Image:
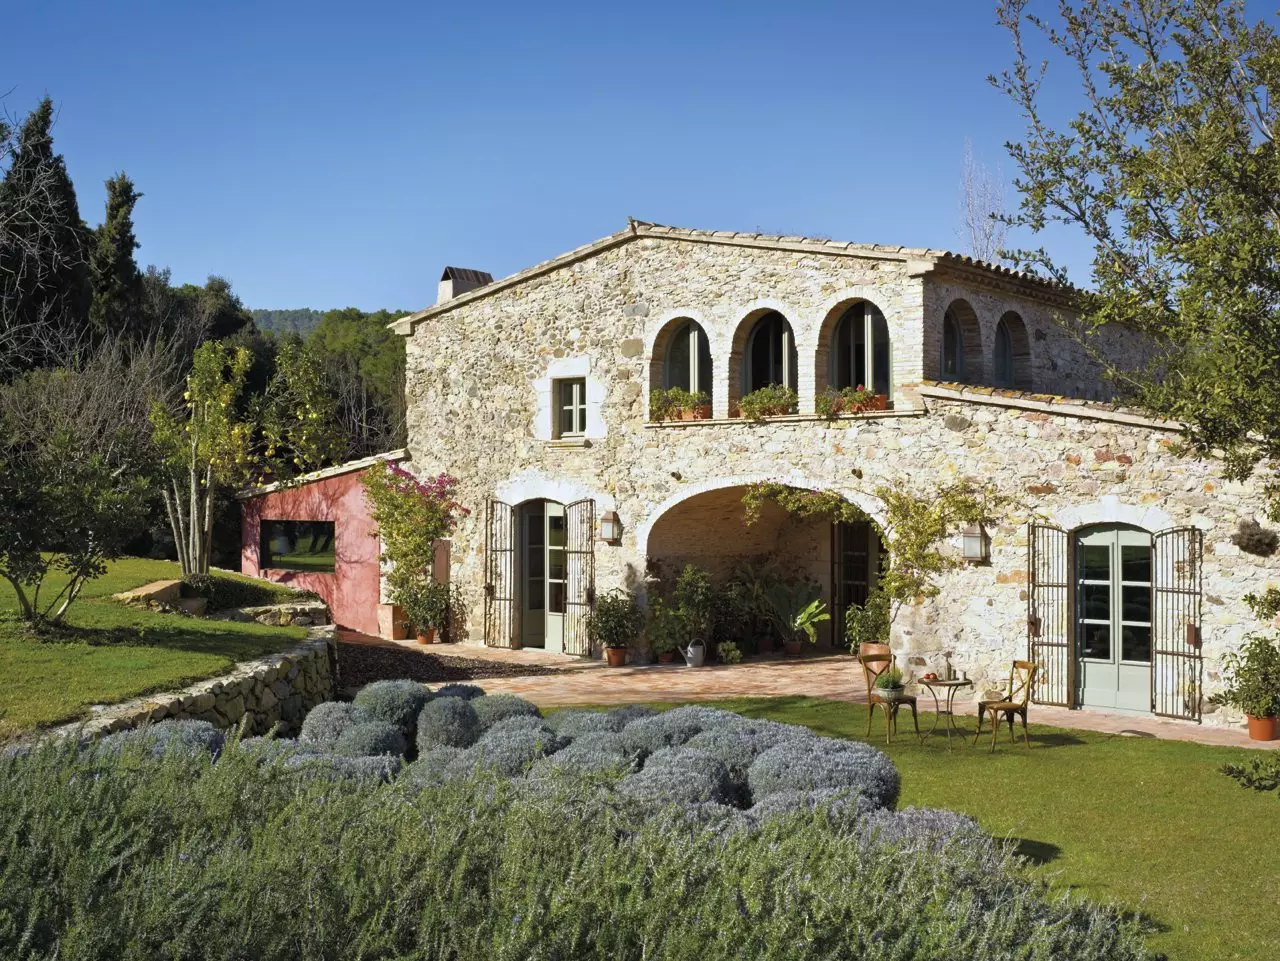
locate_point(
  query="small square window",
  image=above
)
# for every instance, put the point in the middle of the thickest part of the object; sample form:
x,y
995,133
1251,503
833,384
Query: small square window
x,y
570,407
306,546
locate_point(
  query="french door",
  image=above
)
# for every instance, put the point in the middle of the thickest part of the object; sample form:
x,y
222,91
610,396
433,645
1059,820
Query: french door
x,y
1113,574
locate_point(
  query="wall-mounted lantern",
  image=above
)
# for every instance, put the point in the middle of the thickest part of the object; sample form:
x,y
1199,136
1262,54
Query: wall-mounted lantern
x,y
610,528
977,545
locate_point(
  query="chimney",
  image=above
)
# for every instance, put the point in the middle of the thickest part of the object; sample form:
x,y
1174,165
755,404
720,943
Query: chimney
x,y
456,281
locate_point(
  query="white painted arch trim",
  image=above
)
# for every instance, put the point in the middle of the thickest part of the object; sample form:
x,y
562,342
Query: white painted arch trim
x,y
534,485
868,504
1109,510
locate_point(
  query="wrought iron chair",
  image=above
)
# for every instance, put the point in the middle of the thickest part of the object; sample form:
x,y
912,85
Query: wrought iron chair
x,y
1014,702
873,665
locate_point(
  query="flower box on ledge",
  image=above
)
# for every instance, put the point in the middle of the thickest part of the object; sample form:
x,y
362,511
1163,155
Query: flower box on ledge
x,y
850,400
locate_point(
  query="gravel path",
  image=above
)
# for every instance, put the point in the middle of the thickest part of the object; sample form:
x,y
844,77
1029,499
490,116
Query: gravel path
x,y
358,664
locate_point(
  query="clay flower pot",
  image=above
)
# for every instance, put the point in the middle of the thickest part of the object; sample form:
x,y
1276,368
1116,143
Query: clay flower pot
x,y
700,412
1263,728
617,656
428,636
666,657
792,647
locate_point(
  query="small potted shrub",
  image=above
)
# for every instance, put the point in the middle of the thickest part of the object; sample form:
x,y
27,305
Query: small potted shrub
x,y
1252,679
426,605
614,622
663,630
676,403
775,400
866,628
889,683
850,400
695,605
797,611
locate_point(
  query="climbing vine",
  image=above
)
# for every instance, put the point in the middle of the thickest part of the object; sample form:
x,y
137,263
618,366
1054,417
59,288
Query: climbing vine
x,y
807,504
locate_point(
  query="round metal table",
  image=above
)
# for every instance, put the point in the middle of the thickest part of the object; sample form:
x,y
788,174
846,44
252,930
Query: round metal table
x,y
950,687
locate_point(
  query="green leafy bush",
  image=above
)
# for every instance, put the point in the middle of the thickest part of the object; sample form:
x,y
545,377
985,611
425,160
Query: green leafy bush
x,y
182,857
226,591
771,401
615,620
1262,773
728,653
671,403
850,400
1251,677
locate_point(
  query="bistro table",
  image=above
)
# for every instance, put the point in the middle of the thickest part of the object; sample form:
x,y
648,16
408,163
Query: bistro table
x,y
950,688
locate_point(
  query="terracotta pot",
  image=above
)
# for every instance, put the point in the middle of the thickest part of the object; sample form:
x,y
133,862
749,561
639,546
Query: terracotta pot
x,y
764,645
735,410
792,647
666,657
876,402
1263,728
428,636
617,656
700,412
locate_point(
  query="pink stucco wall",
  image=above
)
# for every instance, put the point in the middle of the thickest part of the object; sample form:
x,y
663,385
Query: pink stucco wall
x,y
351,591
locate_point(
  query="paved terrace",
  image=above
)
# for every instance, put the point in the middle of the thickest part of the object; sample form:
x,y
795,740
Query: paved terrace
x,y
836,677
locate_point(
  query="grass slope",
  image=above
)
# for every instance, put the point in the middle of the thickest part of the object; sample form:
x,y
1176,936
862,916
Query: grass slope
x,y
116,652
1145,822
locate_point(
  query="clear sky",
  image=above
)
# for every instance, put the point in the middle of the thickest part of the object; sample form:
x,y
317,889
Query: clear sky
x,y
326,154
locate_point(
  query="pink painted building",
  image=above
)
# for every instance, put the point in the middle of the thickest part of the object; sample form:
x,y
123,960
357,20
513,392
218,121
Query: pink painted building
x,y
316,534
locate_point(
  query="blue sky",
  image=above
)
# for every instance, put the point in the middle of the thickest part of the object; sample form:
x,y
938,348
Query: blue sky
x,y
329,154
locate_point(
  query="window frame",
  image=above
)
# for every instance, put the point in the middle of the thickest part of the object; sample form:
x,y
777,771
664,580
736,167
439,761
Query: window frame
x,y
871,318
1002,361
699,359
576,407
951,326
788,362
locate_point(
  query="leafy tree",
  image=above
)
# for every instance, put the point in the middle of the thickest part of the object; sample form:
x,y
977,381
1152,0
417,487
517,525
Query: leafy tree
x,y
364,366
117,282
1170,170
222,438
44,277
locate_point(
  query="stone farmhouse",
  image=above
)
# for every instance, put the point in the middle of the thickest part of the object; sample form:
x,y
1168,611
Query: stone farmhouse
x,y
1114,566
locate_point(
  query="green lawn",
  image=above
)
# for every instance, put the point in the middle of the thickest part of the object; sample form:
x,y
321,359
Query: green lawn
x,y
1148,823
117,652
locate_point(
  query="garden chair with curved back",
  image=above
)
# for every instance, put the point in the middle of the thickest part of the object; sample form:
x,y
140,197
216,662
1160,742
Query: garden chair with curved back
x,y
1014,702
873,665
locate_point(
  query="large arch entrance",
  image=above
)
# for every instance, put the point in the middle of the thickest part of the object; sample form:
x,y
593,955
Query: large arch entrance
x,y
840,561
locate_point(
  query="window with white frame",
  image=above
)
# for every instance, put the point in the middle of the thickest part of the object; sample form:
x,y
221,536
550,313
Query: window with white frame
x,y
570,396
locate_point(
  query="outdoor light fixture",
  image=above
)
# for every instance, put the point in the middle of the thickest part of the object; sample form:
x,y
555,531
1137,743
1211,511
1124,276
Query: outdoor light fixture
x,y
977,545
610,527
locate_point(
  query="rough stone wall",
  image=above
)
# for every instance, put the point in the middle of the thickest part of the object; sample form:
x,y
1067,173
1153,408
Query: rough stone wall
x,y
279,688
472,398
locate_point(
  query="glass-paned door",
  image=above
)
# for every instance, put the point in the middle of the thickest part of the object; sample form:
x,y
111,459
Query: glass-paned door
x,y
542,574
857,557
1113,618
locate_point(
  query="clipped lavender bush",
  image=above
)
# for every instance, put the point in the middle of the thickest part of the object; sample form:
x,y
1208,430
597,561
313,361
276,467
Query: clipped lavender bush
x,y
509,754
492,708
371,739
468,692
396,702
673,728
622,716
679,775
810,764
521,722
447,722
576,723
737,746
587,754
325,723
428,770
186,736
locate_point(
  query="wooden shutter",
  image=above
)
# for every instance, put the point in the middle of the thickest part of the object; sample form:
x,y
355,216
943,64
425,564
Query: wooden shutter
x,y
1177,661
1049,614
500,575
580,589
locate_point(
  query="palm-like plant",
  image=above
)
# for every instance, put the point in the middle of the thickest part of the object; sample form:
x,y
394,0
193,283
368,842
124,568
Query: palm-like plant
x,y
797,609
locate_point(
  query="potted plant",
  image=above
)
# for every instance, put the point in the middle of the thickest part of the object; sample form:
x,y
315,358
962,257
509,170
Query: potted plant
x,y
866,627
797,611
614,622
755,579
775,400
426,605
694,599
676,403
832,403
1252,684
663,630
889,683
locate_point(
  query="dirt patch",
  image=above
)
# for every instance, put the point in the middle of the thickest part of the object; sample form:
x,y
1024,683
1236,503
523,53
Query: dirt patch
x,y
359,664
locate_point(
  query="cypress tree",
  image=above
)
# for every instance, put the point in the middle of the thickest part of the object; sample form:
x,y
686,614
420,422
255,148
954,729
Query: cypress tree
x,y
44,275
117,282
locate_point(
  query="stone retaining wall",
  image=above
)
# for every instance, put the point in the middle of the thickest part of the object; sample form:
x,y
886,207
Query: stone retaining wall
x,y
279,688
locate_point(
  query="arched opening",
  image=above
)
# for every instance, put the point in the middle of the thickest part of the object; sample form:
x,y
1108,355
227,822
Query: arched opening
x,y
769,353
855,351
682,358
961,358
1113,574
840,560
1011,357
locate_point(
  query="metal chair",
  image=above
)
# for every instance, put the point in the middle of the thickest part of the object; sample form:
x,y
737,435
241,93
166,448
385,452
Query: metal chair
x,y
1014,702
873,665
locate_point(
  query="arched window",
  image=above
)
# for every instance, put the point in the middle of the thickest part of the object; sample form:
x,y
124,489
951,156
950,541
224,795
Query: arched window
x,y
1012,357
771,354
688,360
861,356
952,348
